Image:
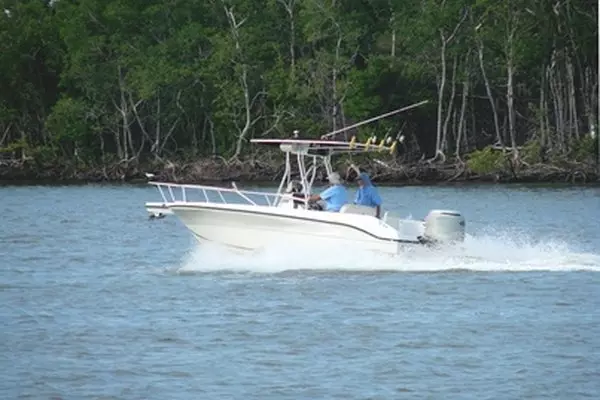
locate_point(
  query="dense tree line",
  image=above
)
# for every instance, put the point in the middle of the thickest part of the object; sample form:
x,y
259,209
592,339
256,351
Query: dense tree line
x,y
111,80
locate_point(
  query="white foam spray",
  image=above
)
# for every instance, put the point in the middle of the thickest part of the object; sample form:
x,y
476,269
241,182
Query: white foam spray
x,y
488,252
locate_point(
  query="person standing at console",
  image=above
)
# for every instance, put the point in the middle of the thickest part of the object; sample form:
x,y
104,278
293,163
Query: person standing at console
x,y
367,194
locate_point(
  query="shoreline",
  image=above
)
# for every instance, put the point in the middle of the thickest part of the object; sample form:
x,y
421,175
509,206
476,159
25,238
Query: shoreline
x,y
259,173
262,184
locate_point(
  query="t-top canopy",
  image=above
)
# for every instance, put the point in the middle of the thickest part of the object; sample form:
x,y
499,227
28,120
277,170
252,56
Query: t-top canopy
x,y
324,147
328,147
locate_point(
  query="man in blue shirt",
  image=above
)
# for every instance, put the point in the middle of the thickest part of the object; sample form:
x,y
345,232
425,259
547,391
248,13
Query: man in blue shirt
x,y
367,194
335,196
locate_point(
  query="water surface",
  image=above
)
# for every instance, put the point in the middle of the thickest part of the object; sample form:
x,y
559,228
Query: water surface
x,y
100,302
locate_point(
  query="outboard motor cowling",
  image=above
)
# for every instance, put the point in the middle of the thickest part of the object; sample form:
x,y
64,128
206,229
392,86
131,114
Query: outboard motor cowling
x,y
444,226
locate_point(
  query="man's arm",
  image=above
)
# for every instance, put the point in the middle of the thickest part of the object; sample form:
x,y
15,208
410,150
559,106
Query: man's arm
x,y
325,194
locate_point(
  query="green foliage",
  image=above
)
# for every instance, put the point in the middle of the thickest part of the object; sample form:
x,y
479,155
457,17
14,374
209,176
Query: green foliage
x,y
486,161
15,147
43,155
532,152
40,154
68,121
584,149
114,79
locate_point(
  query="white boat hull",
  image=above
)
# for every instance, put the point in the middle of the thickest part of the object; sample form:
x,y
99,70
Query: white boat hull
x,y
254,228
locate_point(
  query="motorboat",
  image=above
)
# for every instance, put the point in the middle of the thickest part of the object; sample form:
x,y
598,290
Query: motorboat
x,y
252,220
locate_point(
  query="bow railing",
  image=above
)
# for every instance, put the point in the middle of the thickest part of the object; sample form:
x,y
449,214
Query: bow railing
x,y
186,193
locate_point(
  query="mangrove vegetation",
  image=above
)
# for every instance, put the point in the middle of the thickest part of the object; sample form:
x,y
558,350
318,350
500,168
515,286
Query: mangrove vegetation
x,y
106,89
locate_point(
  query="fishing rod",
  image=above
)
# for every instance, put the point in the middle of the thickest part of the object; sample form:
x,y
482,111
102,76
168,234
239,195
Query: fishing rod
x,y
375,118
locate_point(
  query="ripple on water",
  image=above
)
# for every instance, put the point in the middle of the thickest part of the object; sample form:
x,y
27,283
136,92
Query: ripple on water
x,y
98,302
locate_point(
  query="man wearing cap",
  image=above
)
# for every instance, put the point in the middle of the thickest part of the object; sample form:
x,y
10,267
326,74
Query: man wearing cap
x,y
367,194
335,196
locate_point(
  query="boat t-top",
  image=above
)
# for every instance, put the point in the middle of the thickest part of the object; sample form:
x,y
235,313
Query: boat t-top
x,y
252,220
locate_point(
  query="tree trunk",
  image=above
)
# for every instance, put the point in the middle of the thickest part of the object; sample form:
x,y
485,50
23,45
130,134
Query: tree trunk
x,y
292,47
510,96
212,136
543,112
444,143
243,79
289,8
461,121
490,96
574,48
102,146
123,149
334,98
574,119
442,85
140,148
23,143
474,126
444,43
247,116
589,94
195,143
5,134
168,135
557,110
156,144
393,26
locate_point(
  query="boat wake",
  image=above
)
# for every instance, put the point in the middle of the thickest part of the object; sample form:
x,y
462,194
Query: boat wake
x,y
481,253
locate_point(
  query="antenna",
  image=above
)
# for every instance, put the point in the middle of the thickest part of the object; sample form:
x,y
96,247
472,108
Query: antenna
x,y
375,118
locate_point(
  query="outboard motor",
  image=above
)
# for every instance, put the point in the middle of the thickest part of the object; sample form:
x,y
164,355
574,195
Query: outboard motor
x,y
444,226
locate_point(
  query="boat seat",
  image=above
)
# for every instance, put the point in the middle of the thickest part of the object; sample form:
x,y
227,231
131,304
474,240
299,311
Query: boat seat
x,y
358,209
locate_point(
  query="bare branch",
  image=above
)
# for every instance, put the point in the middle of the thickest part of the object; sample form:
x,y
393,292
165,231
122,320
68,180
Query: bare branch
x,y
455,28
137,117
169,133
256,96
5,133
